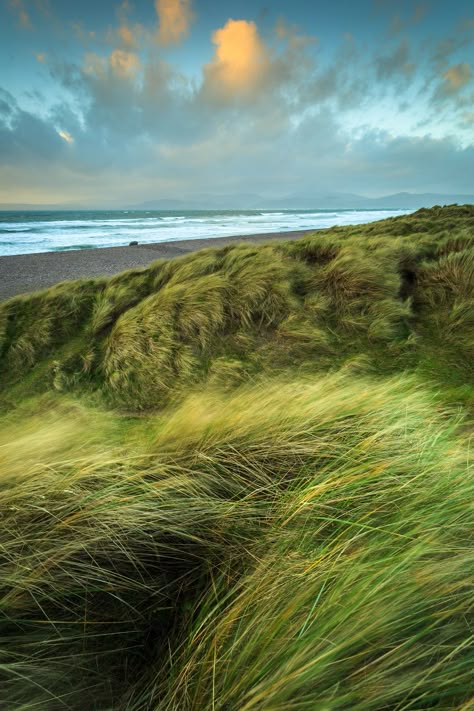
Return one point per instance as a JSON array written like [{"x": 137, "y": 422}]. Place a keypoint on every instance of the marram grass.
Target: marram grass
[
  {"x": 372, "y": 297},
  {"x": 196, "y": 516},
  {"x": 295, "y": 545}
]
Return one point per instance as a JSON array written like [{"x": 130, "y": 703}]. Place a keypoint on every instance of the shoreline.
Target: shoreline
[{"x": 24, "y": 273}]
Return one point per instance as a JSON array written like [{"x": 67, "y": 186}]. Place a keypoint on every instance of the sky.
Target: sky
[{"x": 109, "y": 103}]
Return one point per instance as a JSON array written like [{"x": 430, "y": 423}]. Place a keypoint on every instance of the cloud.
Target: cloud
[
  {"x": 395, "y": 63},
  {"x": 420, "y": 12},
  {"x": 413, "y": 163},
  {"x": 119, "y": 106},
  {"x": 252, "y": 153},
  {"x": 25, "y": 138},
  {"x": 292, "y": 34},
  {"x": 124, "y": 64},
  {"x": 120, "y": 64},
  {"x": 84, "y": 36},
  {"x": 449, "y": 93},
  {"x": 344, "y": 82},
  {"x": 271, "y": 113},
  {"x": 66, "y": 136},
  {"x": 126, "y": 36},
  {"x": 456, "y": 77},
  {"x": 24, "y": 19},
  {"x": 240, "y": 64},
  {"x": 468, "y": 118},
  {"x": 175, "y": 17},
  {"x": 443, "y": 50},
  {"x": 41, "y": 57},
  {"x": 399, "y": 25}
]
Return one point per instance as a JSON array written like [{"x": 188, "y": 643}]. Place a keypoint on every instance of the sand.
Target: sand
[{"x": 23, "y": 273}]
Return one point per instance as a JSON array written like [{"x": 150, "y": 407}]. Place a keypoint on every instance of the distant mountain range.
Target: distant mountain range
[
  {"x": 250, "y": 201},
  {"x": 322, "y": 201}
]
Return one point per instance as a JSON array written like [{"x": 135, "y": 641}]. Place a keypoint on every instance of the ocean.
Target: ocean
[{"x": 26, "y": 232}]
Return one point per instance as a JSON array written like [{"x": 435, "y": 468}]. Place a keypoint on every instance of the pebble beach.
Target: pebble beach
[{"x": 23, "y": 273}]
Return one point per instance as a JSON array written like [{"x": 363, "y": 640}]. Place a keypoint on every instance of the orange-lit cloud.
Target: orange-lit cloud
[
  {"x": 241, "y": 60},
  {"x": 120, "y": 64},
  {"x": 175, "y": 17},
  {"x": 124, "y": 64},
  {"x": 23, "y": 17},
  {"x": 41, "y": 57},
  {"x": 66, "y": 136},
  {"x": 126, "y": 36},
  {"x": 456, "y": 77}
]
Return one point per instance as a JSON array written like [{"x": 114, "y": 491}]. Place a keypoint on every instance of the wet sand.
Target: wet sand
[{"x": 23, "y": 273}]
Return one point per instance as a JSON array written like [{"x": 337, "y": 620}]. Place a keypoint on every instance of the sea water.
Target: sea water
[{"x": 26, "y": 232}]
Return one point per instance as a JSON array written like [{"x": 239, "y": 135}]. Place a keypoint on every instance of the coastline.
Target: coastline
[{"x": 23, "y": 273}]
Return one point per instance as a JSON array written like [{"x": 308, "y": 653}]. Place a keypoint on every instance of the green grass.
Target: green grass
[
  {"x": 242, "y": 480},
  {"x": 375, "y": 295}
]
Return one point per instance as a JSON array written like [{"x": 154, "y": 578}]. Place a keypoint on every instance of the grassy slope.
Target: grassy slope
[
  {"x": 240, "y": 479},
  {"x": 373, "y": 298}
]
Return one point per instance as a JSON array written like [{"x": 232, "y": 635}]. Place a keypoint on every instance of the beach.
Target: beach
[{"x": 23, "y": 273}]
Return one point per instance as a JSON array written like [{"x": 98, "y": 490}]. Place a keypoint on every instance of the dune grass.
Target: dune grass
[
  {"x": 295, "y": 545},
  {"x": 242, "y": 480},
  {"x": 371, "y": 297}
]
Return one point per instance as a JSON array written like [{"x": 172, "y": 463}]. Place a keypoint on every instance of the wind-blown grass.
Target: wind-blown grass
[
  {"x": 195, "y": 515},
  {"x": 297, "y": 545},
  {"x": 377, "y": 293}
]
